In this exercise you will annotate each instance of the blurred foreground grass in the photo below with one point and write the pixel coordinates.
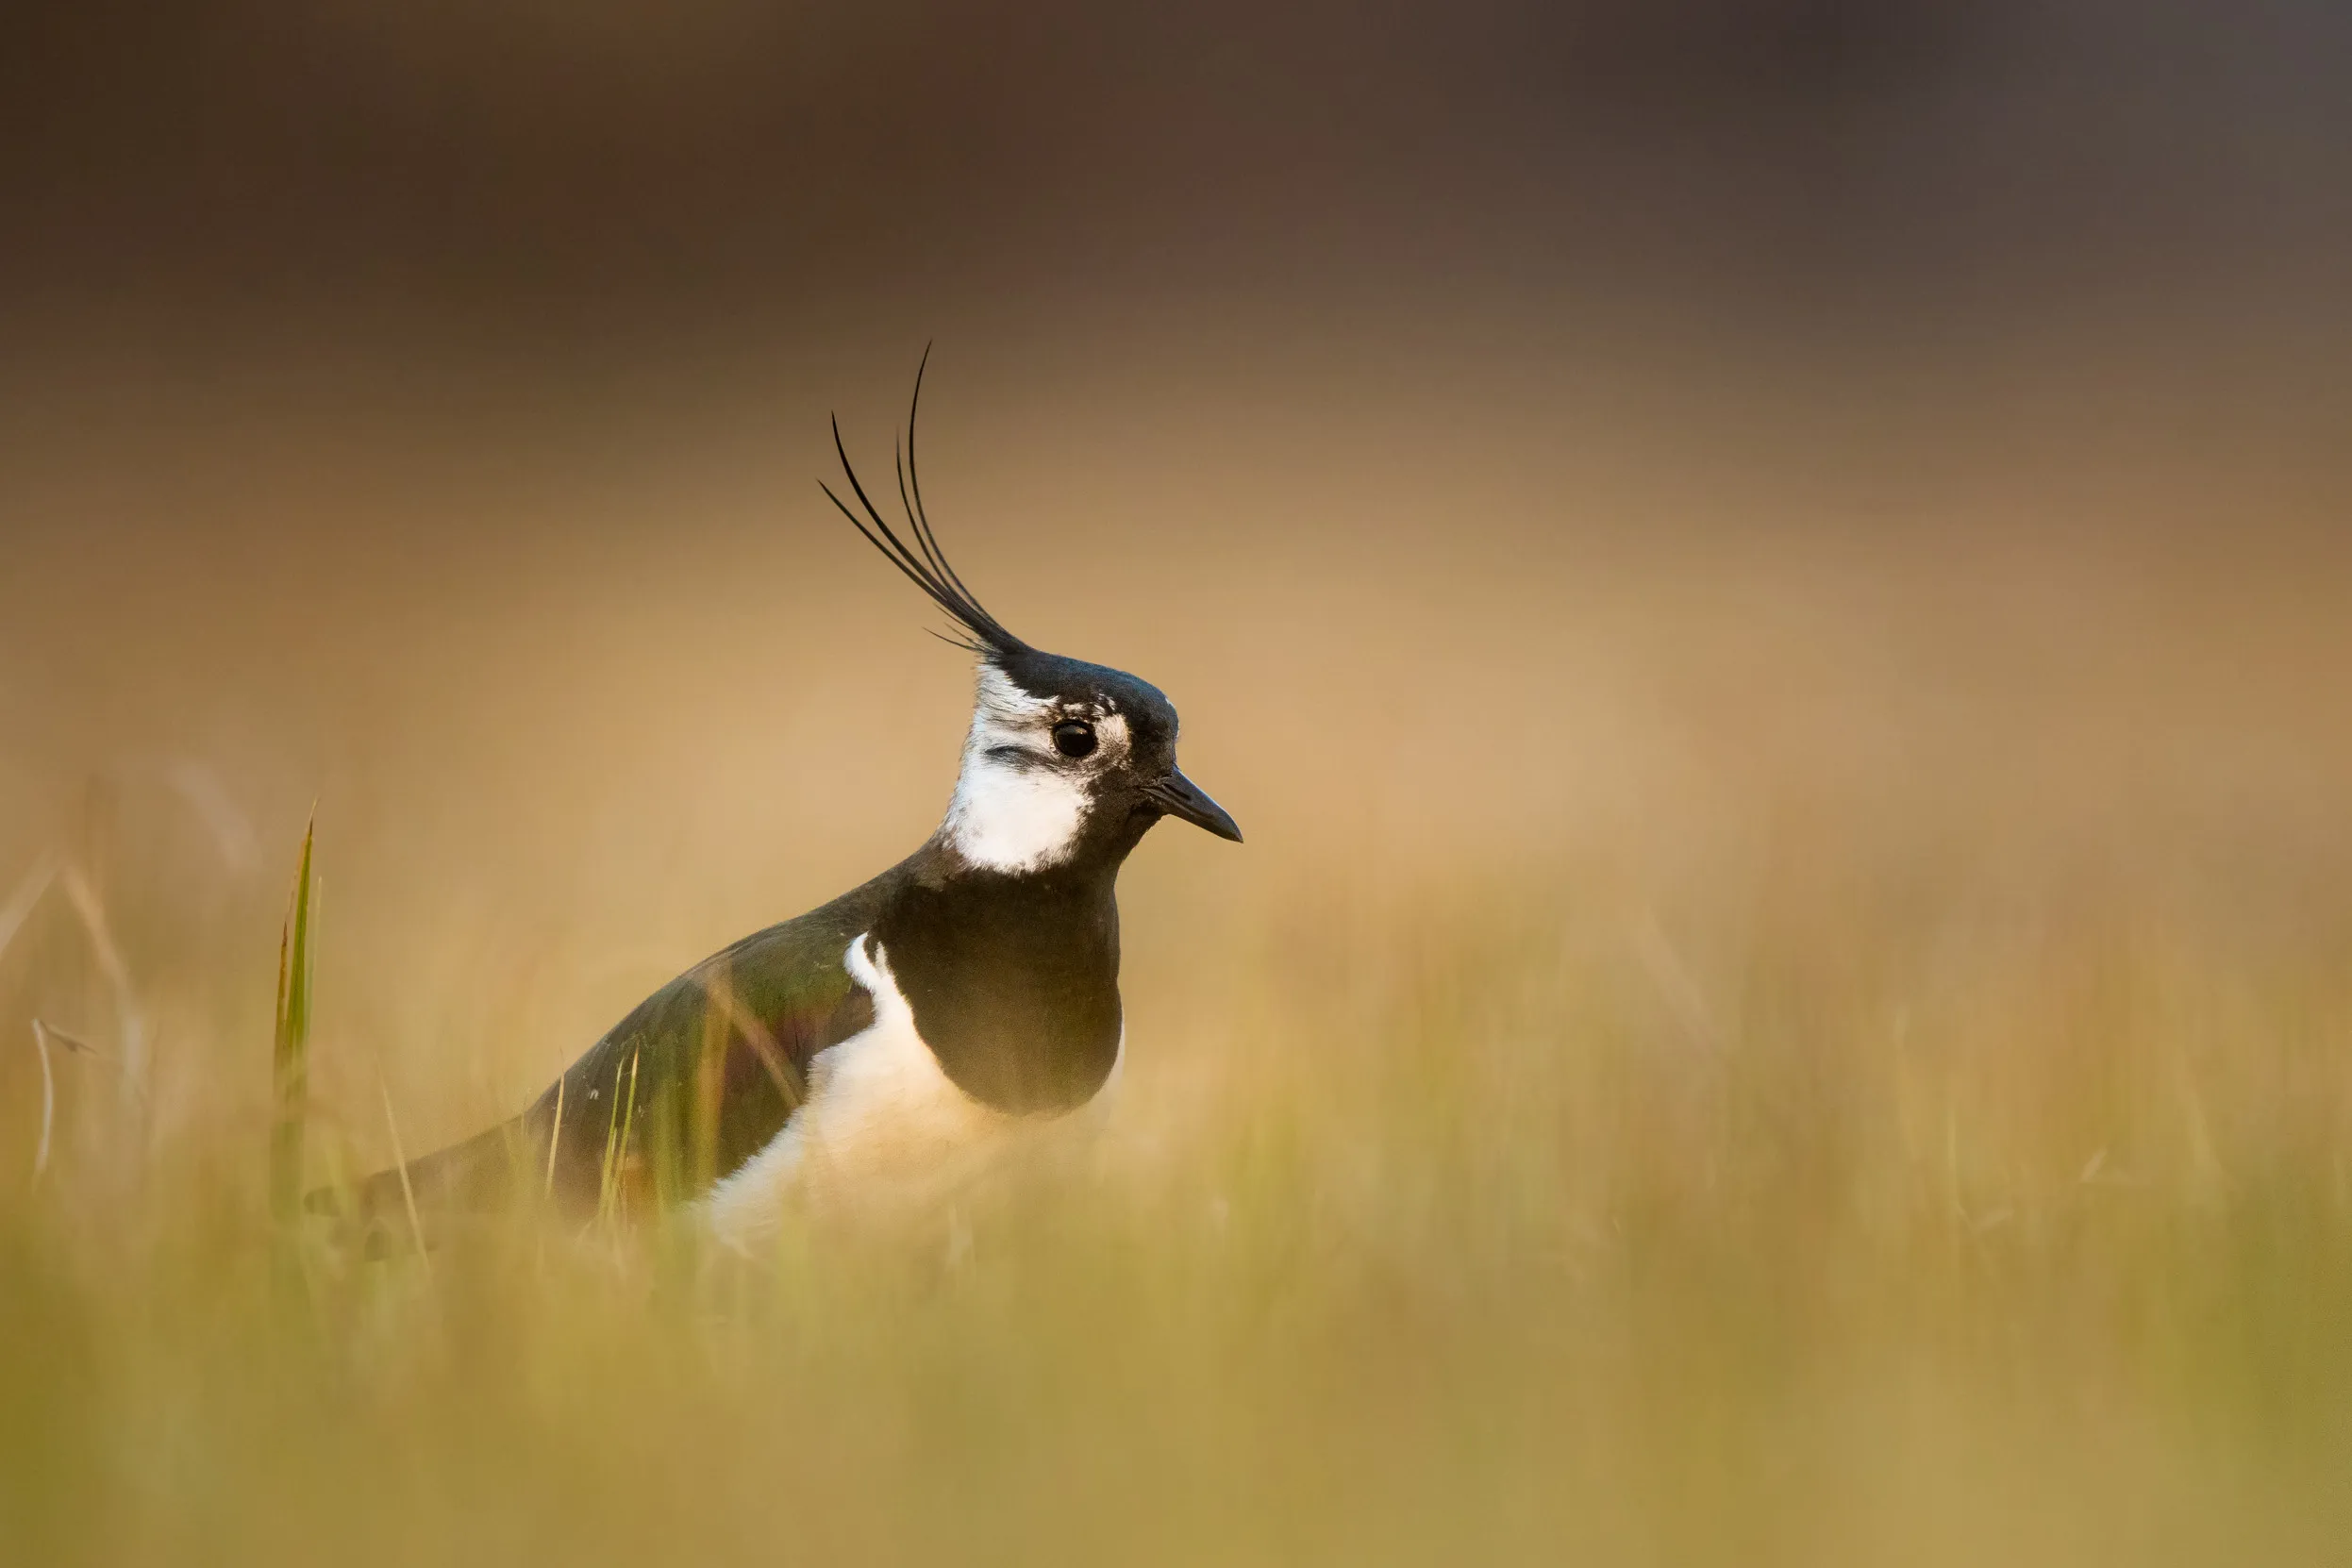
(1899, 1218)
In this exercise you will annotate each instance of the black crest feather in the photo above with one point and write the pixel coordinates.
(925, 564)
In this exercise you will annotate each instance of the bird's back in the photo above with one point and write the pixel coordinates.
(678, 1094)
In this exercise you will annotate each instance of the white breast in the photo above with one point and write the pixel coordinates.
(882, 1126)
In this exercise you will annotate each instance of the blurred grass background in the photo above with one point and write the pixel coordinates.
(1796, 1040)
(1766, 579)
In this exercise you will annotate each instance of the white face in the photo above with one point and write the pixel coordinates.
(1020, 802)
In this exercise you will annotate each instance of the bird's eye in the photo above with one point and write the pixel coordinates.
(1074, 738)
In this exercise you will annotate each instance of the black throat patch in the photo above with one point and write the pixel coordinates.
(1013, 980)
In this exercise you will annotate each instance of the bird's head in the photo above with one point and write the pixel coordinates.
(1066, 761)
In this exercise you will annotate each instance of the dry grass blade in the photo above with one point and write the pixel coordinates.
(612, 1140)
(13, 914)
(49, 1100)
(555, 1139)
(130, 1020)
(400, 1165)
(46, 1034)
(617, 1134)
(27, 894)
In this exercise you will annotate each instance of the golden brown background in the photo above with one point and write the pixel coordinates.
(1820, 526)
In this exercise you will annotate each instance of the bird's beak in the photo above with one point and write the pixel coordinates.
(1180, 797)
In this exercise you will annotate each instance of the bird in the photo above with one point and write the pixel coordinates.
(886, 1045)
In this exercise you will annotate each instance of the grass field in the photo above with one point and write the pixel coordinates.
(1776, 1042)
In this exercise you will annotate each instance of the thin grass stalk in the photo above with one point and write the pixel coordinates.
(291, 1059)
(130, 1020)
(27, 894)
(47, 1040)
(555, 1139)
(606, 1166)
(609, 1184)
(400, 1165)
(629, 1130)
(48, 1099)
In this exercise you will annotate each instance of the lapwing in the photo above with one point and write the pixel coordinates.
(889, 1043)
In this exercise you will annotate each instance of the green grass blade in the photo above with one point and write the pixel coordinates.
(291, 1059)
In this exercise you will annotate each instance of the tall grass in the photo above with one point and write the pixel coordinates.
(1848, 1226)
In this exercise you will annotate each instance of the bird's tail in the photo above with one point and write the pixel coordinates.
(417, 1204)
